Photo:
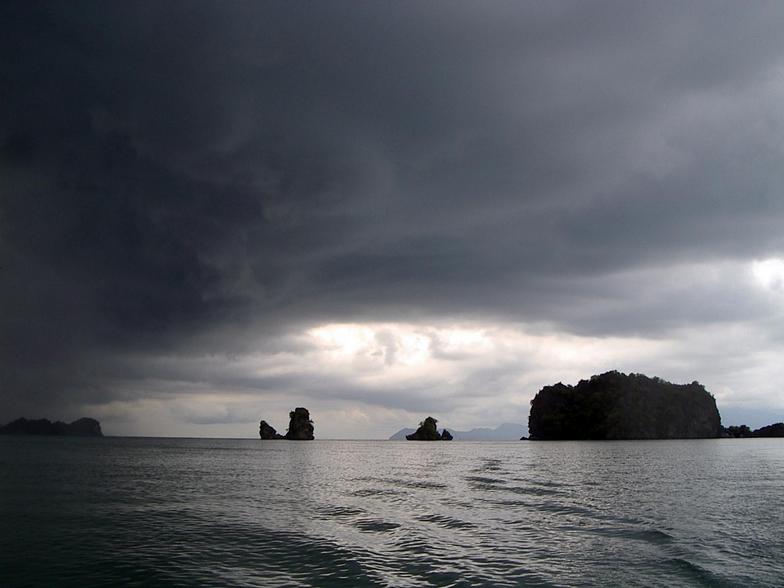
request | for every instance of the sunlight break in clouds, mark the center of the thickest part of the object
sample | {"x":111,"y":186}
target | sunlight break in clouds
{"x":413,"y":344}
{"x":398,"y":344}
{"x":770,"y":273}
{"x":378,"y":355}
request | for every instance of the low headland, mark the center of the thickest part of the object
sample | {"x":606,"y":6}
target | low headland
{"x":83,"y":427}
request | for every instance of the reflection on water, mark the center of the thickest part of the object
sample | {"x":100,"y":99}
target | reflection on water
{"x":169,"y":512}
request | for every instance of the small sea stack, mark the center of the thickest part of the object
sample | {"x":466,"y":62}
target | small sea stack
{"x":300,"y":427}
{"x":427,"y":431}
{"x":268,"y":432}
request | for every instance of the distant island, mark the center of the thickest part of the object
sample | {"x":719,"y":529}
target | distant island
{"x":619,"y":406}
{"x":427,"y":431}
{"x":300,"y":427}
{"x":83,"y":427}
{"x":503,"y":432}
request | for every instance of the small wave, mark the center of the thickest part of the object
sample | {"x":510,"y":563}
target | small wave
{"x":413,"y":544}
{"x":446,"y":522}
{"x":650,"y":535}
{"x":490,"y":465}
{"x":510,"y":503}
{"x":560,"y":508}
{"x":371,"y":492}
{"x":424,"y":484}
{"x":692,"y":572}
{"x":341,"y":511}
{"x":654,"y":536}
{"x":485,"y":481}
{"x":533,"y":490}
{"x":375,"y":526}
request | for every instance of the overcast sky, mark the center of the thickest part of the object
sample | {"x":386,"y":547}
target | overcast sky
{"x":211,"y":213}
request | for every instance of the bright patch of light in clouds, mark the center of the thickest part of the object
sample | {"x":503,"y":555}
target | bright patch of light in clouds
{"x":444,"y":356}
{"x":388,"y":343}
{"x":770,"y":273}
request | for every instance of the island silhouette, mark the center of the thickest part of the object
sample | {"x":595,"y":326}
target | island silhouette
{"x":300,"y":427}
{"x":614,"y":405}
{"x":618,"y":406}
{"x":83,"y":427}
{"x":743,"y":431}
{"x":427,"y":431}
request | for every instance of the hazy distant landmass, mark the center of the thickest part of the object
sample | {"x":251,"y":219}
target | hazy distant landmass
{"x":504,"y":432}
{"x":619,"y":406}
{"x":83,"y":427}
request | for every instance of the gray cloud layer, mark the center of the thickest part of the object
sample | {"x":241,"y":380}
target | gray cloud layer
{"x":200,"y":178}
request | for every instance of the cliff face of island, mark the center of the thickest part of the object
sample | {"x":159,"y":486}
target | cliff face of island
{"x":300,"y":427}
{"x":427,"y":431}
{"x":619,"y":406}
{"x":83,"y":427}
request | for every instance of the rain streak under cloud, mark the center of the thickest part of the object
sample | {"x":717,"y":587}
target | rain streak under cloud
{"x":211,"y":213}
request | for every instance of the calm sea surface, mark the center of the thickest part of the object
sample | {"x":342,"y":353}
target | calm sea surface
{"x":198,"y":512}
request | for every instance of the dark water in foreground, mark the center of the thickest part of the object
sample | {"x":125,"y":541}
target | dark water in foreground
{"x":173,"y":512}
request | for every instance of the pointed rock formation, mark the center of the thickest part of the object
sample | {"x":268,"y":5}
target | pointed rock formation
{"x":446,"y":435}
{"x":300,"y":427}
{"x":268,"y":432}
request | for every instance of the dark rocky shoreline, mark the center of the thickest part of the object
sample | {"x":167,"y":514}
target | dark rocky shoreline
{"x":83,"y":427}
{"x":743,"y":431}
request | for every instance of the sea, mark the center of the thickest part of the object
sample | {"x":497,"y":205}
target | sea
{"x":228,"y":512}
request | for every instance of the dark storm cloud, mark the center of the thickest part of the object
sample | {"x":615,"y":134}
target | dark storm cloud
{"x":201,"y":177}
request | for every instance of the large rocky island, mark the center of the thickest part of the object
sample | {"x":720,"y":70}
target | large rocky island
{"x":300,"y":427}
{"x":619,"y":406}
{"x":83,"y":427}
